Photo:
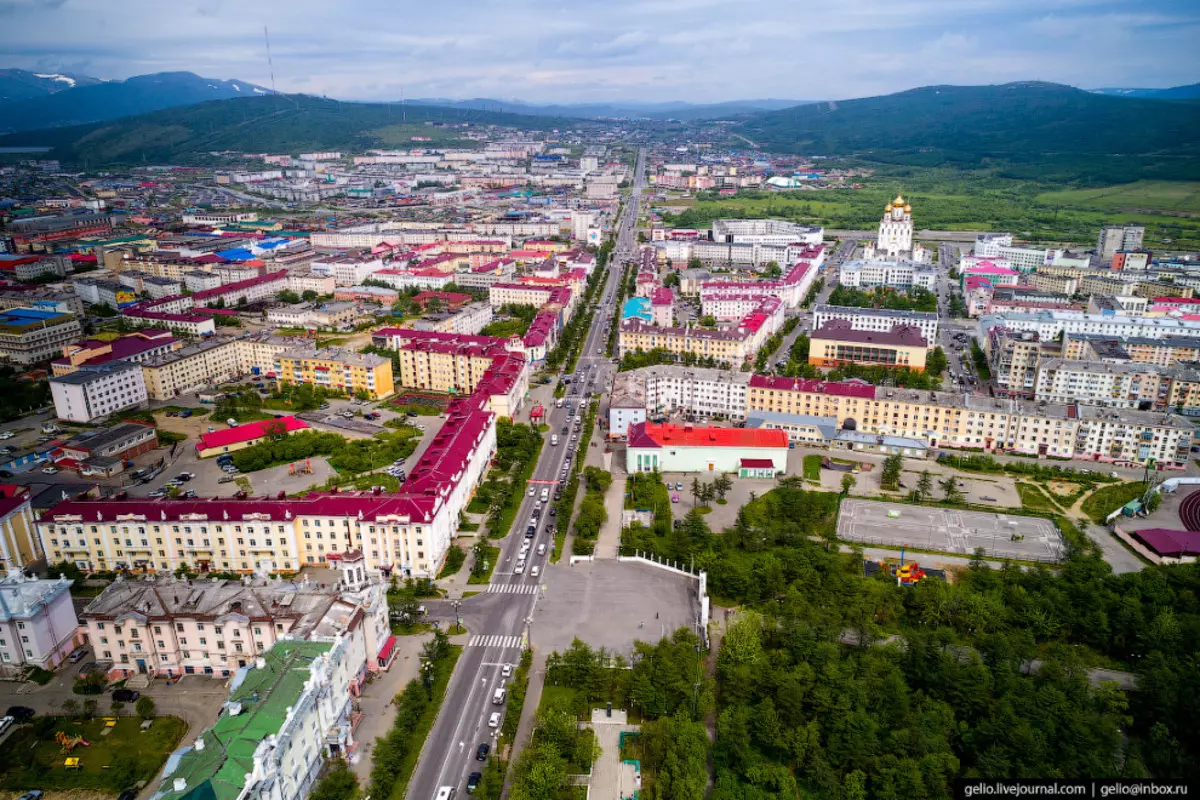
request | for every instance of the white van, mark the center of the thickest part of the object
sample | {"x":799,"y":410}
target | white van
{"x":498,"y":696}
{"x":446,"y":793}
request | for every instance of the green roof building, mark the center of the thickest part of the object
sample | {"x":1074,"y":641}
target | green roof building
{"x":262,"y":744}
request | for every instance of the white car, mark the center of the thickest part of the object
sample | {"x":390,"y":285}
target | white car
{"x":530,"y":492}
{"x":506,"y":671}
{"x":494,"y":720}
{"x":50,"y":471}
{"x":535,"y":570}
{"x":7,"y":435}
{"x":520,"y":568}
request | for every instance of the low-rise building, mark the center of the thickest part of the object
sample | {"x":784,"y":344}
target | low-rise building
{"x":367,"y":294}
{"x":124,"y":441}
{"x":228,"y":440}
{"x":683,"y":448}
{"x":467,"y":320}
{"x":93,"y":391}
{"x":37,"y":623}
{"x":837,"y":342}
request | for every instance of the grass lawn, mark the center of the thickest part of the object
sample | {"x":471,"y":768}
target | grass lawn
{"x":812,"y":468}
{"x":1179,"y":196}
{"x":1033,"y":498}
{"x":31,"y":756}
{"x":493,"y":555}
{"x":1102,"y":502}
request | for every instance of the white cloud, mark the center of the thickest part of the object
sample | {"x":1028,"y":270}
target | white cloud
{"x":561,"y":51}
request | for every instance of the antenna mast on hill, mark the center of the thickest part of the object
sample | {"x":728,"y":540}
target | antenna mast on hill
{"x":270,"y":65}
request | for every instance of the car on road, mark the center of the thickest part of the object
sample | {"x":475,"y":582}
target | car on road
{"x":519,"y":569}
{"x":77,"y":656}
{"x":19,"y":713}
{"x":481,"y":752}
{"x":473,"y":781}
{"x":7,"y":435}
{"x":50,"y":470}
{"x":674,"y":497}
{"x":157,"y":493}
{"x":535,"y":570}
{"x":530,"y":491}
{"x":679,"y":486}
{"x":494,"y":720}
{"x":126,"y":695}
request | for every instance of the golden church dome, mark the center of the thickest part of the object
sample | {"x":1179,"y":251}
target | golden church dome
{"x":899,"y":201}
{"x":907,"y":208}
{"x":887,"y":209}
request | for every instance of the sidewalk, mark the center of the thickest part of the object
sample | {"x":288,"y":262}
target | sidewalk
{"x":608,"y":545}
{"x":376,"y":702}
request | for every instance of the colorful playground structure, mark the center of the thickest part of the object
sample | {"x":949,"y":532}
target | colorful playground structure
{"x":69,"y":742}
{"x":300,"y":468}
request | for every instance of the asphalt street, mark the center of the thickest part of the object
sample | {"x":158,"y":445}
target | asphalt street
{"x":501,"y":619}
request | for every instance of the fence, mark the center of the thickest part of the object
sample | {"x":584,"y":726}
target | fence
{"x":1008,"y":555}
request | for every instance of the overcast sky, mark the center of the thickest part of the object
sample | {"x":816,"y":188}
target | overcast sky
{"x":598,"y":50}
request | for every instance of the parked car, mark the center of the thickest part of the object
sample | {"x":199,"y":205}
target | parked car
{"x":50,"y":470}
{"x":473,"y":781}
{"x":126,"y":695}
{"x":77,"y":656}
{"x":481,"y":752}
{"x":494,"y":720}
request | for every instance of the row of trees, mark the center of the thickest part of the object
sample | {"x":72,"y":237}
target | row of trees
{"x":915,"y":299}
{"x":636,"y":359}
{"x":592,"y":514}
{"x":707,"y":491}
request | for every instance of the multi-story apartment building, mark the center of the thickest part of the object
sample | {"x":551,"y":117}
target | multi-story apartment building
{"x":468,"y":320}
{"x":93,"y":391}
{"x":724,"y":346}
{"x":309,"y":315}
{"x":1118,"y":237}
{"x":240,"y":292}
{"x":1128,"y":385}
{"x":1013,"y":358}
{"x":263,"y":746}
{"x":301,"y":282}
{"x":335,"y":368}
{"x":1056,"y":284}
{"x":407,"y":532}
{"x":941,"y":419}
{"x":765,"y":231}
{"x":133,"y":347}
{"x":519,"y":294}
{"x":19,"y":544}
{"x":896,"y":274}
{"x":879,"y":319}
{"x":1050,"y":324}
{"x":199,"y":281}
{"x":837,"y":342}
{"x":1116,"y":349}
{"x":37,"y":623}
{"x":347,"y":269}
{"x":197,"y":366}
{"x":29,"y":335}
{"x":193,"y":325}
{"x":665,"y":390}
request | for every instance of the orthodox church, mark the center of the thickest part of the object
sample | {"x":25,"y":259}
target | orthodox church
{"x":895,"y":241}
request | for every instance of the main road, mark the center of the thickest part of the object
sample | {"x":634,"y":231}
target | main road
{"x":501,"y":616}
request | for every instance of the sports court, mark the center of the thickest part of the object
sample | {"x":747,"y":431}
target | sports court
{"x":949,"y":530}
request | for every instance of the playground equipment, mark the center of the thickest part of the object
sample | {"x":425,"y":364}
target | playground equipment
{"x":300,"y":469}
{"x":68,"y":742}
{"x":909,"y":574}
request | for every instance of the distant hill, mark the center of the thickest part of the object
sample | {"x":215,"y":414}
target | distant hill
{"x":1058,"y":131}
{"x":1189,"y":92}
{"x":273,"y":123}
{"x":97,"y":102}
{"x":19,"y":84}
{"x":668,"y":110}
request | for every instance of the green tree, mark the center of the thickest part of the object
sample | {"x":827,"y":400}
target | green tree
{"x":89,"y":707}
{"x":338,"y":783}
{"x":309,"y":295}
{"x":145,"y":707}
{"x":889,"y":477}
{"x":848,"y":482}
{"x":925,"y":486}
{"x":950,"y":491}
{"x":70,"y":706}
{"x":116,"y":706}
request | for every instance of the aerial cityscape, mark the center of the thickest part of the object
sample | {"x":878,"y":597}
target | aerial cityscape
{"x":637,"y":433}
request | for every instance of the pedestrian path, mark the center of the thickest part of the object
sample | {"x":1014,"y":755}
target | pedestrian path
{"x":494,"y":641}
{"x":512,"y":588}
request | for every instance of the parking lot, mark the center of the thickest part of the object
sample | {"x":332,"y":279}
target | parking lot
{"x":949,"y":530}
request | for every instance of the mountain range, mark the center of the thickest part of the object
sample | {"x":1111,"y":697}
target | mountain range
{"x":20,"y":84}
{"x":669,"y":110}
{"x":255,"y":123}
{"x":1050,"y":129}
{"x":77,"y":99}
{"x":1189,"y":92}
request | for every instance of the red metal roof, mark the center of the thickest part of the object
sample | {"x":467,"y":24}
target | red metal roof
{"x":649,"y":434}
{"x":247,"y":433}
{"x":757,"y":463}
{"x":852,"y":388}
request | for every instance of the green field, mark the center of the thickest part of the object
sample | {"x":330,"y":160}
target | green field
{"x":1181,"y":197}
{"x":945,"y":199}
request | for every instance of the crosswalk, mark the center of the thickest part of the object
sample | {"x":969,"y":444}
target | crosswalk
{"x":512,"y":588}
{"x":494,"y":641}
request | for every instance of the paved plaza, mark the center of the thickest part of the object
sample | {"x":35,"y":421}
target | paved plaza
{"x":947,"y":530}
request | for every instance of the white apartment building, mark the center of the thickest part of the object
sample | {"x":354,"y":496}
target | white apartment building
{"x":879,"y":319}
{"x":766,"y":231}
{"x":301,"y":282}
{"x":198,"y":280}
{"x":37,"y":623}
{"x":1049,"y":324}
{"x":95,"y":391}
{"x":217,"y":218}
{"x":348,"y":269}
{"x":987,"y":245}
{"x":896,"y":274}
{"x":666,"y":390}
{"x":29,"y":335}
{"x":1128,"y":385}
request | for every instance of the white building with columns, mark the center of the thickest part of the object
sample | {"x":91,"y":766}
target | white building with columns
{"x":895,"y":239}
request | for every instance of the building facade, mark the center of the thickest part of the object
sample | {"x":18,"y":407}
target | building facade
{"x":37,"y":623}
{"x":94,"y":391}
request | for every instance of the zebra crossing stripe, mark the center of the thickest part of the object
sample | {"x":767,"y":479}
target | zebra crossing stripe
{"x":494,"y":641}
{"x":512,"y":588}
